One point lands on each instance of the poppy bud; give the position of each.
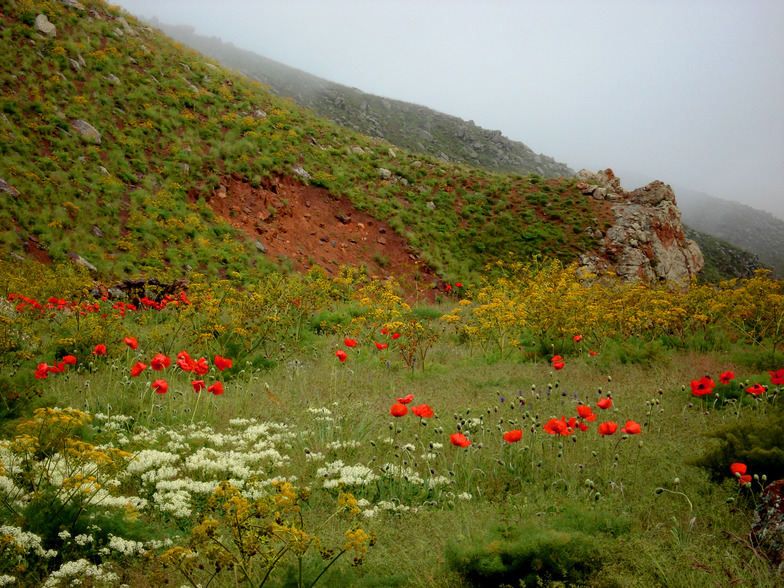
(658, 490)
(677, 481)
(597, 496)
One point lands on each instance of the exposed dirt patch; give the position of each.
(307, 225)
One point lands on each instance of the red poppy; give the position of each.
(381, 346)
(42, 371)
(755, 390)
(777, 377)
(216, 388)
(222, 363)
(604, 403)
(70, 359)
(138, 368)
(582, 426)
(459, 285)
(726, 377)
(100, 349)
(131, 342)
(160, 361)
(702, 386)
(448, 287)
(558, 365)
(513, 436)
(185, 362)
(578, 338)
(406, 399)
(202, 367)
(398, 410)
(557, 427)
(396, 336)
(160, 386)
(459, 439)
(608, 428)
(198, 385)
(341, 355)
(423, 411)
(384, 331)
(349, 342)
(592, 352)
(632, 428)
(739, 471)
(556, 358)
(586, 412)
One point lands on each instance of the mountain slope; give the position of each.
(411, 126)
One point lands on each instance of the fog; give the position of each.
(691, 93)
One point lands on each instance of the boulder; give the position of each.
(87, 131)
(73, 4)
(300, 172)
(8, 188)
(43, 25)
(384, 173)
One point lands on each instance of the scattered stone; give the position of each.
(74, 64)
(73, 4)
(221, 192)
(381, 241)
(210, 65)
(343, 219)
(333, 243)
(431, 205)
(86, 131)
(300, 172)
(185, 168)
(113, 79)
(357, 150)
(103, 171)
(260, 246)
(258, 113)
(392, 153)
(82, 262)
(8, 188)
(44, 26)
(127, 28)
(97, 232)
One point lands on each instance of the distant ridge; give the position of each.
(411, 126)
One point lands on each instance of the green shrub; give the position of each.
(527, 556)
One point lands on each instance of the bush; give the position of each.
(526, 556)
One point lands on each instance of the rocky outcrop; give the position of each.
(87, 131)
(646, 241)
(43, 25)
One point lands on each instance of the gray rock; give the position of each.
(86, 131)
(384, 173)
(127, 29)
(74, 64)
(43, 25)
(8, 188)
(113, 79)
(185, 168)
(260, 246)
(300, 172)
(73, 4)
(96, 231)
(431, 205)
(210, 65)
(392, 153)
(103, 170)
(82, 262)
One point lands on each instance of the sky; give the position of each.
(690, 92)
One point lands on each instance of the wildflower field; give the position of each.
(539, 428)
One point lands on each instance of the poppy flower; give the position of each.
(406, 399)
(185, 362)
(70, 360)
(216, 388)
(341, 355)
(131, 342)
(755, 390)
(608, 428)
(138, 368)
(198, 385)
(592, 352)
(222, 363)
(459, 439)
(100, 349)
(578, 338)
(459, 285)
(381, 346)
(160, 361)
(632, 428)
(702, 386)
(42, 371)
(558, 365)
(739, 471)
(556, 358)
(396, 336)
(726, 377)
(777, 377)
(423, 411)
(384, 331)
(586, 412)
(202, 367)
(604, 403)
(513, 436)
(160, 386)
(557, 427)
(349, 342)
(448, 287)
(398, 410)
(582, 426)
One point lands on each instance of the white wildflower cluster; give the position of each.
(175, 502)
(320, 411)
(83, 572)
(6, 580)
(83, 539)
(148, 459)
(371, 511)
(125, 547)
(338, 474)
(351, 444)
(26, 541)
(394, 470)
(311, 456)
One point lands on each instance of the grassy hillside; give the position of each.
(174, 128)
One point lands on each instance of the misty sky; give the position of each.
(690, 92)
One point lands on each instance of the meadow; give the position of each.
(538, 428)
